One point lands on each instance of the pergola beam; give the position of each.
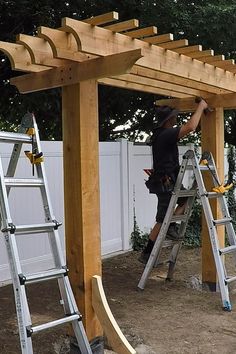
(115, 64)
(138, 86)
(102, 19)
(227, 101)
(20, 58)
(99, 41)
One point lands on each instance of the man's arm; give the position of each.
(192, 123)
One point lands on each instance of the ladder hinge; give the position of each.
(57, 224)
(11, 228)
(22, 279)
(66, 270)
(29, 331)
(75, 313)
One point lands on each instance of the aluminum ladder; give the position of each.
(28, 134)
(190, 162)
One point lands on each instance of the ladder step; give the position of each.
(39, 328)
(206, 168)
(32, 229)
(222, 221)
(212, 195)
(228, 249)
(187, 193)
(230, 280)
(15, 138)
(23, 182)
(179, 218)
(39, 277)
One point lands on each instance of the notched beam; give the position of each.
(40, 51)
(64, 45)
(111, 65)
(20, 58)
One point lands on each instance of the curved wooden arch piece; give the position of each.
(20, 58)
(114, 335)
(40, 50)
(64, 45)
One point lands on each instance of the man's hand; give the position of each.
(202, 104)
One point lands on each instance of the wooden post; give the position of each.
(81, 189)
(212, 128)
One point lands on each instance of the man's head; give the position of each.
(166, 114)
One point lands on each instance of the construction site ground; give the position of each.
(175, 317)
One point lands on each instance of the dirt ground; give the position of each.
(175, 317)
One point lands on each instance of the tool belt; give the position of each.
(157, 183)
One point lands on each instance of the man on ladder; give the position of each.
(166, 167)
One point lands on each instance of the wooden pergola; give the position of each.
(101, 50)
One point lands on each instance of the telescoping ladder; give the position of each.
(28, 134)
(190, 162)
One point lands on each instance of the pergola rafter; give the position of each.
(79, 55)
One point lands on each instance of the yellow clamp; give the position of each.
(30, 131)
(204, 162)
(222, 188)
(34, 158)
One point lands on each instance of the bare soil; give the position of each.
(175, 317)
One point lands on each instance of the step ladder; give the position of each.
(28, 134)
(191, 163)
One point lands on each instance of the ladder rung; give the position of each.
(23, 182)
(206, 168)
(230, 280)
(179, 218)
(39, 277)
(15, 138)
(31, 229)
(222, 221)
(70, 318)
(213, 195)
(228, 249)
(187, 193)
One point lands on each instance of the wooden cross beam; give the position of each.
(110, 65)
(227, 101)
(99, 41)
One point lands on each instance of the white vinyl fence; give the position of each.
(122, 191)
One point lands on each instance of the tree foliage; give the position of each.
(210, 23)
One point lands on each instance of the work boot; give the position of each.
(173, 233)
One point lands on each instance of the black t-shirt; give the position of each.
(165, 151)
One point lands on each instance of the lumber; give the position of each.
(81, 195)
(116, 64)
(123, 26)
(40, 51)
(142, 32)
(213, 58)
(213, 142)
(175, 44)
(189, 49)
(162, 38)
(115, 337)
(20, 58)
(227, 101)
(200, 54)
(140, 87)
(103, 42)
(63, 44)
(102, 19)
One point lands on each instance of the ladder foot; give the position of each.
(227, 306)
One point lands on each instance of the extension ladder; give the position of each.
(190, 162)
(28, 134)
